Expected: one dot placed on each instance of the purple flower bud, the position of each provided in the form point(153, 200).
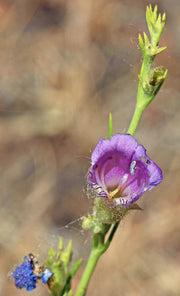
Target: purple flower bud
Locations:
point(121, 171)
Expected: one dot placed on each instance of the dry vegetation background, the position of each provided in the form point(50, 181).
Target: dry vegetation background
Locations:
point(64, 64)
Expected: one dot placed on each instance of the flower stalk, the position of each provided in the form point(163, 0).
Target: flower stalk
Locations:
point(148, 87)
point(99, 246)
point(150, 82)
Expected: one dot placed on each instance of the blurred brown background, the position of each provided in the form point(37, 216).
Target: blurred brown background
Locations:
point(64, 65)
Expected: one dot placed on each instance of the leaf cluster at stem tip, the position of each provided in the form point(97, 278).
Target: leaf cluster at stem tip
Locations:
point(155, 23)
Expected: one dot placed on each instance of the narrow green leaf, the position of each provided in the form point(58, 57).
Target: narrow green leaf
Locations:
point(163, 18)
point(141, 43)
point(160, 49)
point(148, 15)
point(158, 22)
point(50, 258)
point(149, 10)
point(68, 281)
point(146, 40)
point(66, 255)
point(60, 245)
point(155, 12)
point(110, 127)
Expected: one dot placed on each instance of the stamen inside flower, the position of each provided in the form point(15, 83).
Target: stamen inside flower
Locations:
point(118, 190)
point(113, 194)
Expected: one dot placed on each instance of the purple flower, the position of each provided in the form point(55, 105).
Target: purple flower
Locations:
point(121, 171)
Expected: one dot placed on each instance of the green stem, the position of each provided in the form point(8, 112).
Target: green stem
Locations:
point(99, 247)
point(91, 264)
point(96, 252)
point(135, 119)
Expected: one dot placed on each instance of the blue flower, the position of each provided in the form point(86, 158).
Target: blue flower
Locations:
point(45, 276)
point(24, 277)
point(26, 274)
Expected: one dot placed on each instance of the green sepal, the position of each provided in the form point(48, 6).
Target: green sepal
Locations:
point(58, 262)
point(104, 215)
point(107, 213)
point(135, 207)
point(91, 223)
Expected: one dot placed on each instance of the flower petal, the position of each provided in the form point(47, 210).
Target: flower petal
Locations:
point(155, 173)
point(23, 276)
point(46, 275)
point(118, 142)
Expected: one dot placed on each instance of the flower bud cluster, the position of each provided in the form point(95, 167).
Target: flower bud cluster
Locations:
point(59, 263)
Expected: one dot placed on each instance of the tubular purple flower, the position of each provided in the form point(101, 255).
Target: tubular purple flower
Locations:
point(121, 170)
